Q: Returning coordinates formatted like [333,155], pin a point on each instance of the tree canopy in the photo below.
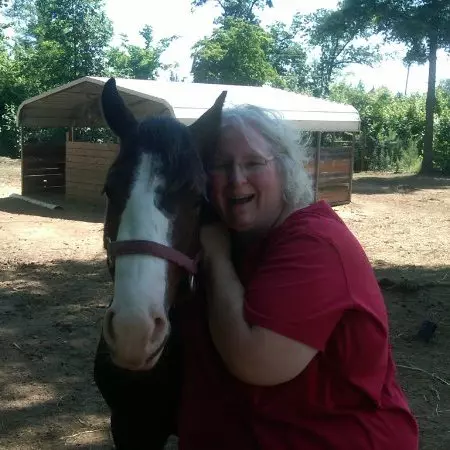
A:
[424,27]
[56,41]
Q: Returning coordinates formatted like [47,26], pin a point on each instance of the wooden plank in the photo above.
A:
[92,152]
[72,187]
[84,172]
[335,195]
[34,189]
[79,165]
[335,154]
[43,150]
[98,181]
[42,163]
[43,167]
[334,183]
[335,166]
[91,159]
[44,171]
[335,175]
[44,180]
[109,146]
[45,190]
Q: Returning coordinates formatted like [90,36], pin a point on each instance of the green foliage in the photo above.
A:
[444,85]
[60,40]
[393,128]
[133,61]
[57,41]
[442,130]
[340,40]
[289,58]
[237,9]
[424,27]
[9,132]
[236,53]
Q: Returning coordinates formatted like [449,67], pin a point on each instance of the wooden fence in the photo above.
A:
[331,171]
[87,164]
[43,168]
[79,169]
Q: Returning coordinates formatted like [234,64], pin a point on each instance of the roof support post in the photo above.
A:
[21,159]
[317,166]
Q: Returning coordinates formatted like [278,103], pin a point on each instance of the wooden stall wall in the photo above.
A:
[331,167]
[86,166]
[335,175]
[43,168]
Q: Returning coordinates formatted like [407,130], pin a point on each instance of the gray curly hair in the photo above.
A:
[286,143]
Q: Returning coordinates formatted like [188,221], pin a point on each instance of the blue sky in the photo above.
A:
[169,17]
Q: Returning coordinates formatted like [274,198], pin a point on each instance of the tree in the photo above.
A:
[236,53]
[12,91]
[336,37]
[289,58]
[132,61]
[237,9]
[445,85]
[424,27]
[60,40]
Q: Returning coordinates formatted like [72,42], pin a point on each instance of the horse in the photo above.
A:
[155,191]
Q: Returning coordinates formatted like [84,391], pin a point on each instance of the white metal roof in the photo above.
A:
[77,104]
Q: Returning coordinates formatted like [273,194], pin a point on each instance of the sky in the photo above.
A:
[175,17]
[169,17]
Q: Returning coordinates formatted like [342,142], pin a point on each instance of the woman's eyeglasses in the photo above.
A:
[246,168]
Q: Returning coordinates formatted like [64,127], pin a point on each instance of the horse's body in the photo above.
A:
[154,190]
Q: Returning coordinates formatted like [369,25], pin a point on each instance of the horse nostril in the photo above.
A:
[159,324]
[108,329]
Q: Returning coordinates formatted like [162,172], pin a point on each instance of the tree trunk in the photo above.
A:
[427,163]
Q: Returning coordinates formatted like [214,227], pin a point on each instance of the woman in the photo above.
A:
[288,348]
[286,345]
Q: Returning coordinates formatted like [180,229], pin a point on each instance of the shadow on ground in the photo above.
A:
[50,322]
[49,325]
[363,184]
[413,295]
[71,210]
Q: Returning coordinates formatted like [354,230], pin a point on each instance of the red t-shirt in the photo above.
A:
[309,280]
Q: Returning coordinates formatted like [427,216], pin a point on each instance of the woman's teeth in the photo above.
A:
[241,199]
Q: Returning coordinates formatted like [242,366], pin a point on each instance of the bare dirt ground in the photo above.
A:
[54,287]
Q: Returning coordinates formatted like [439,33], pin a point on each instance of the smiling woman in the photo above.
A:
[285,342]
[287,346]
[255,149]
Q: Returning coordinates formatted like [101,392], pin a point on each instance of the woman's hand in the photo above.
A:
[215,240]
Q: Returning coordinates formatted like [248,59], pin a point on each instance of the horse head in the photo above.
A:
[154,190]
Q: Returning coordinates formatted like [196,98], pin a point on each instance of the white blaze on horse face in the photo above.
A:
[140,323]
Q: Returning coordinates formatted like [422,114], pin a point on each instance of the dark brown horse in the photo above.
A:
[154,193]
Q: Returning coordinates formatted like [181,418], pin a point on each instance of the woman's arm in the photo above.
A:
[254,355]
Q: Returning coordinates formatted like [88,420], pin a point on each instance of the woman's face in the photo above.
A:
[246,186]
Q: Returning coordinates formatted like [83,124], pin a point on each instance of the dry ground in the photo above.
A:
[54,286]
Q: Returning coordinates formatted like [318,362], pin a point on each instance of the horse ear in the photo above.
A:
[206,128]
[118,117]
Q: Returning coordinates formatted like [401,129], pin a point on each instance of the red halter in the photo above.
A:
[142,247]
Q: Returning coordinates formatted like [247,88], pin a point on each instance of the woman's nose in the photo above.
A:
[237,174]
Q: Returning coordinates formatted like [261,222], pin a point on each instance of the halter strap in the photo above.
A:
[142,247]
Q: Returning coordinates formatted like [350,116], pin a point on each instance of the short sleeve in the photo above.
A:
[299,289]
